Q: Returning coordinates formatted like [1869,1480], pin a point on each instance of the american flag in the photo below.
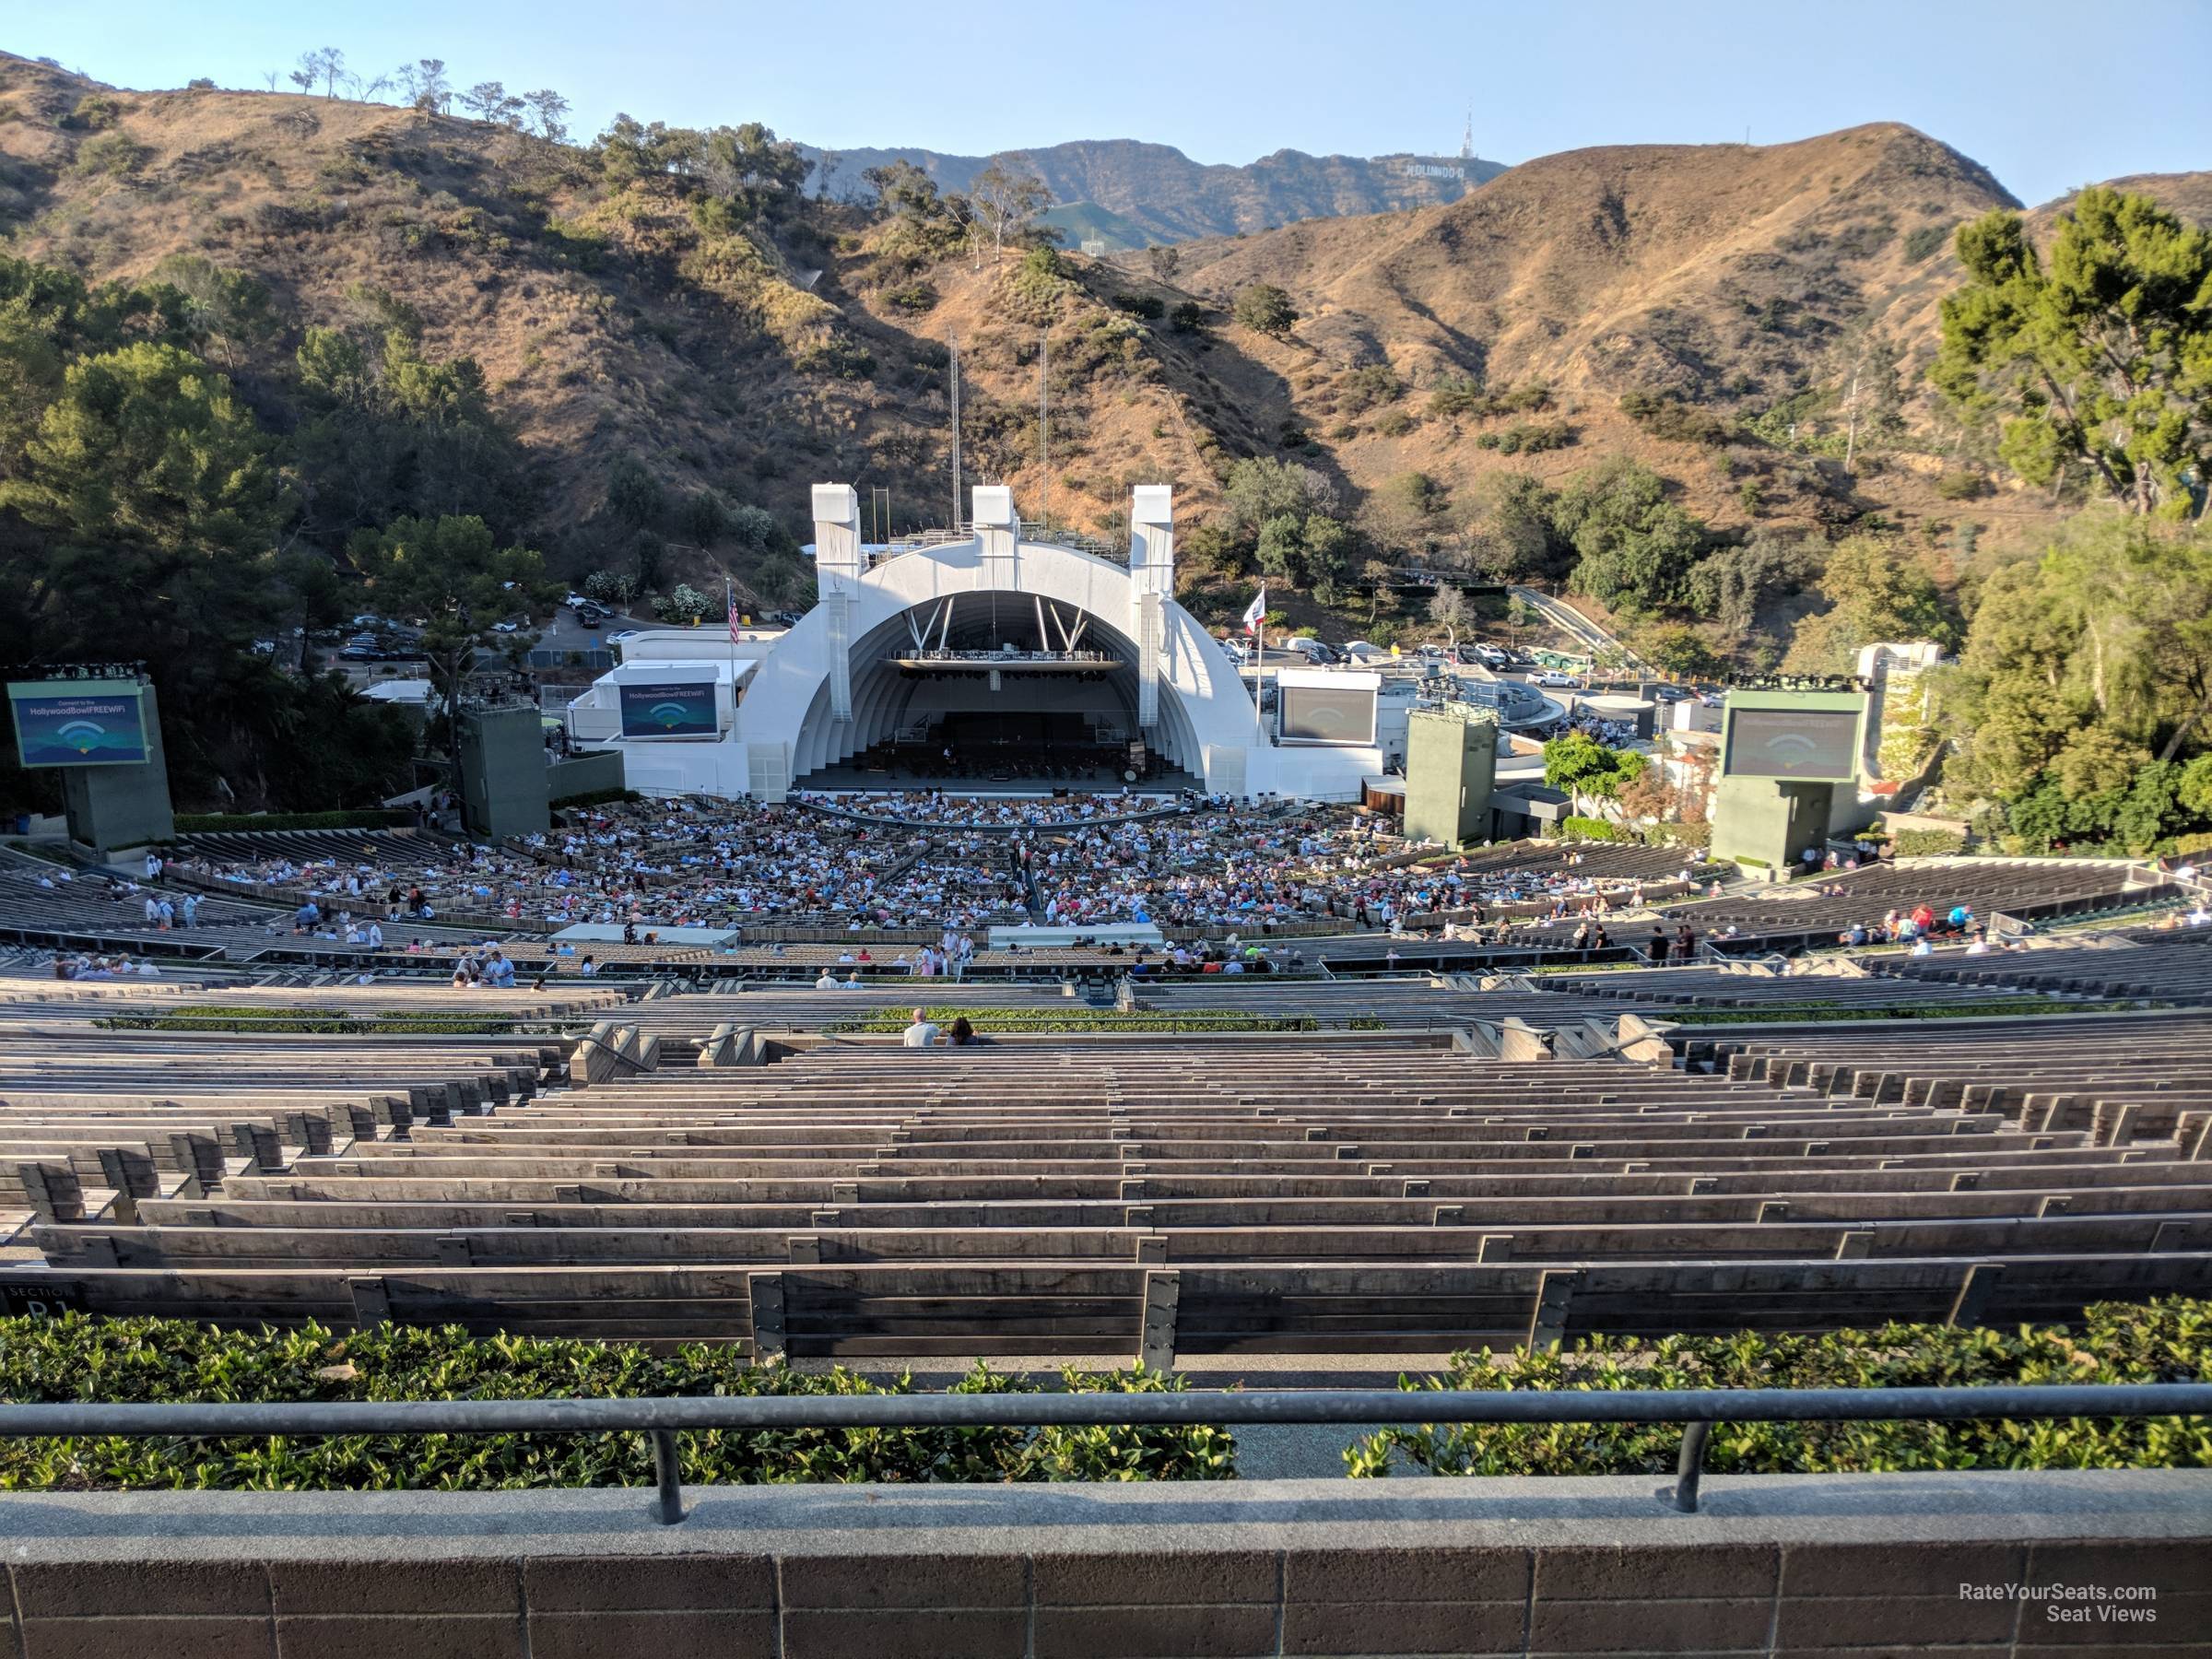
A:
[730,595]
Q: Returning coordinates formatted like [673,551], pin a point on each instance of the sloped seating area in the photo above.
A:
[1364,1192]
[2170,965]
[1749,987]
[2118,1077]
[1815,910]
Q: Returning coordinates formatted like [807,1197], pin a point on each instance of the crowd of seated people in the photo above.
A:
[934,808]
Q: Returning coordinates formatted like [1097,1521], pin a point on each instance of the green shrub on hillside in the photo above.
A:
[1928,843]
[122,1360]
[2165,1341]
[1590,828]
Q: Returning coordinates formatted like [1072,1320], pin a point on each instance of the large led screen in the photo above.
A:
[1793,743]
[78,722]
[671,709]
[1328,714]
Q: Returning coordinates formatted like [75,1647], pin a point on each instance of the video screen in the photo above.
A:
[1793,743]
[85,724]
[1327,715]
[682,709]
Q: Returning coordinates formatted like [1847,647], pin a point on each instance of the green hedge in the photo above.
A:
[75,1358]
[1924,843]
[891,1021]
[375,817]
[2165,1341]
[1589,828]
[316,1021]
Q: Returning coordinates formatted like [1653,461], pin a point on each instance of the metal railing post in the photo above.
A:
[668,1474]
[1690,1469]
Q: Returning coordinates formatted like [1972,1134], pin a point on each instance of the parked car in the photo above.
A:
[510,627]
[628,633]
[1673,694]
[1313,651]
[1556,677]
[576,601]
[592,616]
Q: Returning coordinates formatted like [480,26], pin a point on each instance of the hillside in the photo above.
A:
[614,322]
[1137,194]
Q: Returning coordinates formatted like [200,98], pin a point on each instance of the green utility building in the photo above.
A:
[1789,773]
[1451,769]
[503,790]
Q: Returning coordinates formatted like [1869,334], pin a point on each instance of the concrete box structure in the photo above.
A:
[1790,773]
[111,806]
[503,756]
[1451,772]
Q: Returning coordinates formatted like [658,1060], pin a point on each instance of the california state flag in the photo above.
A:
[1255,612]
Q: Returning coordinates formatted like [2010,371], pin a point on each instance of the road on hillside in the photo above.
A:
[1573,623]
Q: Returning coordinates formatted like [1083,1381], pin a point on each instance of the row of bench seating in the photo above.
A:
[1369,1191]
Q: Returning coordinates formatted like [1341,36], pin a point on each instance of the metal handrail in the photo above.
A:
[661,1420]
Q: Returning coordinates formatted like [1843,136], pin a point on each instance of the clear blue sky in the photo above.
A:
[2046,95]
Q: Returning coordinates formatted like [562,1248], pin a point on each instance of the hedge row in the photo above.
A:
[327,1025]
[891,1021]
[76,1358]
[205,1017]
[373,818]
[2165,1341]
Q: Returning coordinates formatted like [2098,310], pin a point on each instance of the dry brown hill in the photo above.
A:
[610,324]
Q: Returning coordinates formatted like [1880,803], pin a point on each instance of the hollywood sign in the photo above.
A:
[1432,170]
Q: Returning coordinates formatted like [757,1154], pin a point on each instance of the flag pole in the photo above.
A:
[1259,673]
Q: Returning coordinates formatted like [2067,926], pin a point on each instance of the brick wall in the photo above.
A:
[1796,1566]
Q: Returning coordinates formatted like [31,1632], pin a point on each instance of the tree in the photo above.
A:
[1635,548]
[218,306]
[1165,262]
[1450,611]
[904,190]
[686,607]
[491,102]
[1868,396]
[154,481]
[615,588]
[1876,591]
[548,112]
[1517,540]
[1264,309]
[1006,201]
[326,68]
[2103,641]
[1732,585]
[450,571]
[425,86]
[749,169]
[1678,652]
[825,163]
[2099,364]
[1264,487]
[1587,770]
[634,497]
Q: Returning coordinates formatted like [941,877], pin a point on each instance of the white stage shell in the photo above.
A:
[828,688]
